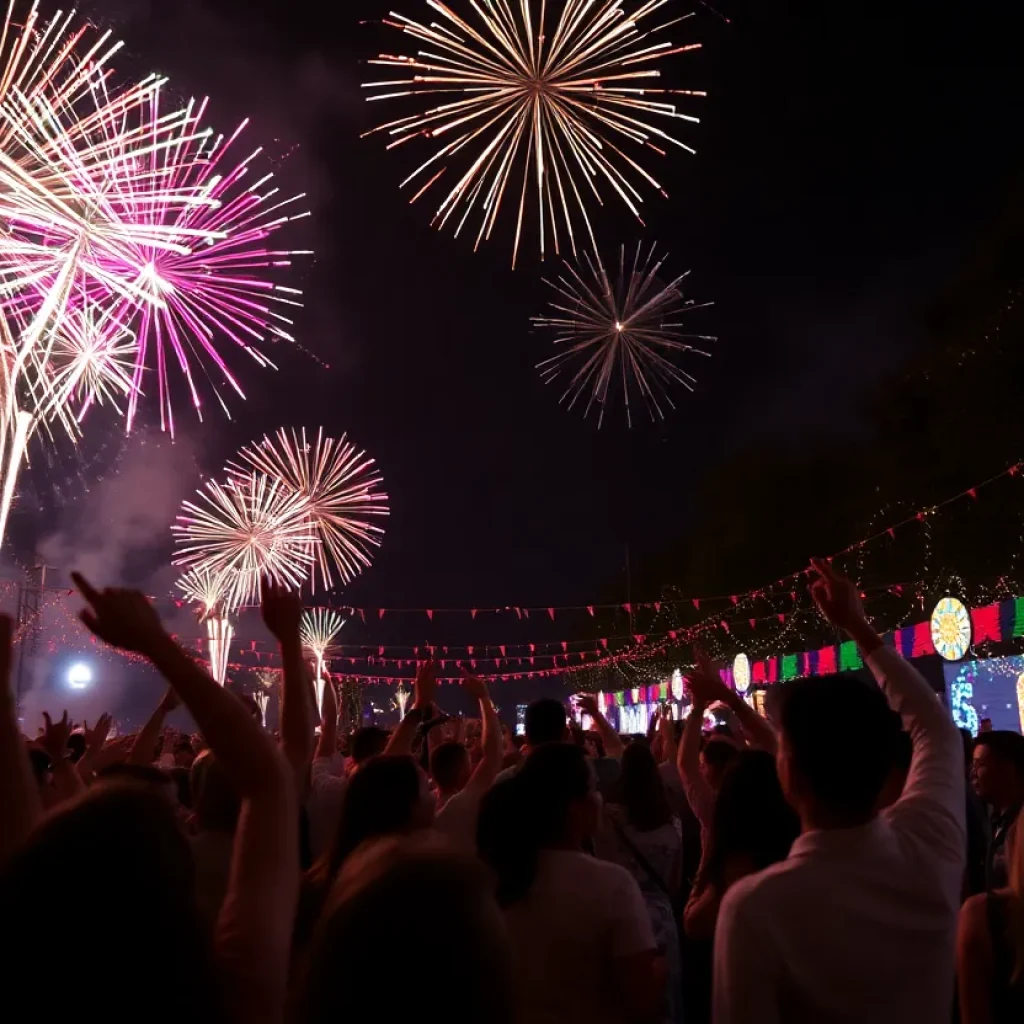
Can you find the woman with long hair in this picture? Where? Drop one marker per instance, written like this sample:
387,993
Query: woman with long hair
583,946
752,827
388,796
641,834
990,947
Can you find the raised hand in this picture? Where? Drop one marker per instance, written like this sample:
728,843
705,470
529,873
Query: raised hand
425,686
474,686
704,682
282,611
97,735
588,703
55,737
170,702
837,598
121,618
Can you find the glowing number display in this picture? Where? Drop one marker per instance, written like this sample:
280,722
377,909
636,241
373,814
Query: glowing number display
741,673
951,629
961,692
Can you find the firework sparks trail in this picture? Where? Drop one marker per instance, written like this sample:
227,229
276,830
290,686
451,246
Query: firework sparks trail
341,485
245,530
319,628
219,633
262,698
206,589
561,107
626,331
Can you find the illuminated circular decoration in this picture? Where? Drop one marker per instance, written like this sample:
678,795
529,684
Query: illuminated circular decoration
741,673
951,628
677,685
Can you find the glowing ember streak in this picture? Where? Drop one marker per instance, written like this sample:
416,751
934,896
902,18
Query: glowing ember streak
627,330
340,484
566,102
319,628
246,529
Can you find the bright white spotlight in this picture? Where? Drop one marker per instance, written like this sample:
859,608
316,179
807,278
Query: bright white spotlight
79,676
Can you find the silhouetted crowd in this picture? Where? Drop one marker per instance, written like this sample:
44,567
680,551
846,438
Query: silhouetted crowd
853,857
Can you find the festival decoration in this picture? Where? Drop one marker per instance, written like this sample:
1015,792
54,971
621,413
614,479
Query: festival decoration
677,685
557,104
741,673
619,333
951,629
340,487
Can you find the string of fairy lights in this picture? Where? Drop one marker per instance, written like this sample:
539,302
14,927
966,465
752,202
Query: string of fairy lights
761,622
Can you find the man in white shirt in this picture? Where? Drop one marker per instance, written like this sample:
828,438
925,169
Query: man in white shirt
858,923
460,786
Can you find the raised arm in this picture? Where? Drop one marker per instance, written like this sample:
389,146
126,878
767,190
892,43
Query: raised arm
667,734
487,770
933,805
328,744
20,805
613,745
423,697
66,782
252,939
282,614
144,747
699,794
95,738
758,730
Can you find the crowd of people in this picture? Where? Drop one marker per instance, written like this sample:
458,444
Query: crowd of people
851,858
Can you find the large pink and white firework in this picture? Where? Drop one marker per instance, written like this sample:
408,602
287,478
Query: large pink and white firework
219,294
343,491
238,533
135,245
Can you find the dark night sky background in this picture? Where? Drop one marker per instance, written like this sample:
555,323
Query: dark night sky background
849,157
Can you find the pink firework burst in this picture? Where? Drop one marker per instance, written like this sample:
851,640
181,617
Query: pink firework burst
219,288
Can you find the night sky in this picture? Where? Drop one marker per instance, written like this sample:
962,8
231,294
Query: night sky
848,158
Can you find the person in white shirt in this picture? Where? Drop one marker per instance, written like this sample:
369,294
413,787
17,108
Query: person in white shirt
584,951
460,787
859,922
